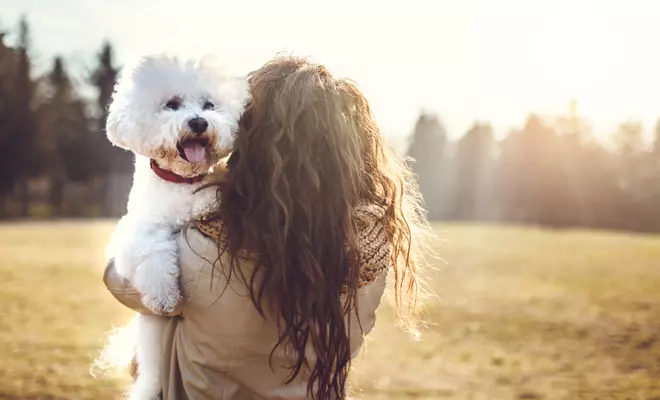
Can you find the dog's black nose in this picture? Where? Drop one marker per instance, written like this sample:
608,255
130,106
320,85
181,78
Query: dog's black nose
198,125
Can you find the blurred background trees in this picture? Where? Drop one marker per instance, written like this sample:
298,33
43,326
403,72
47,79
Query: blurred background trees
552,172
56,161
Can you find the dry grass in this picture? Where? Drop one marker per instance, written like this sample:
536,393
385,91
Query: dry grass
522,314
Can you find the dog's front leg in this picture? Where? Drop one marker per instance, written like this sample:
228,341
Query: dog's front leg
146,253
157,274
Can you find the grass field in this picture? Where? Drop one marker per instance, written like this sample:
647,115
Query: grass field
521,314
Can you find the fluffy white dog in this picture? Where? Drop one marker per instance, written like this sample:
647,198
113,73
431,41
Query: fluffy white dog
179,118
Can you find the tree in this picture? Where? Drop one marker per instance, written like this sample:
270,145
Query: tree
652,178
117,161
474,167
591,193
427,148
591,171
8,164
656,139
533,181
629,140
635,176
71,149
23,126
104,79
576,128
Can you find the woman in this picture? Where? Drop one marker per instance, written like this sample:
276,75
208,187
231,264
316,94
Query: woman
282,281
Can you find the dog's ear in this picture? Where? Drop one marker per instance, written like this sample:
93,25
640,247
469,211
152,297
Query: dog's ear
115,124
114,127
119,125
112,130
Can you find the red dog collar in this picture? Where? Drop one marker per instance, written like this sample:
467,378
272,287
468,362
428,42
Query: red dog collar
172,177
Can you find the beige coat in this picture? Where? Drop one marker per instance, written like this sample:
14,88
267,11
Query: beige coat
218,346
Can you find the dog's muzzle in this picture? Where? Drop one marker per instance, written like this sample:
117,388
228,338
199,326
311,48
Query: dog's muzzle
194,149
198,125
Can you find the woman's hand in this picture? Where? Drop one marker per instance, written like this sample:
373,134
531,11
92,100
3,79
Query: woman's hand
130,297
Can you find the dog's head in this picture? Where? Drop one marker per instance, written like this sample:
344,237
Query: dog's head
181,113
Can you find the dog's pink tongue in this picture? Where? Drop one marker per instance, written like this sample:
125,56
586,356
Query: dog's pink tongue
194,151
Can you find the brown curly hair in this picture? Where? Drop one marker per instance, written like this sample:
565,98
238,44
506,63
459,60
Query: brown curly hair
307,153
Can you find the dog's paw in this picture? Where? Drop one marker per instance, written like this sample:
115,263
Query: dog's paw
160,291
157,278
164,305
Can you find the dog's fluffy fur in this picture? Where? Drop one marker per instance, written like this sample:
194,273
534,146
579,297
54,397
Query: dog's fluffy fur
149,115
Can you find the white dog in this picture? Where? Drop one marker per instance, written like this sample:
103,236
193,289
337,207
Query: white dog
179,118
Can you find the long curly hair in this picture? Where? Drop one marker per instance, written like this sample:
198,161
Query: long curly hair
307,153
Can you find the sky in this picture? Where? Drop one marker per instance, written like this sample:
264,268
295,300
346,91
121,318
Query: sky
467,60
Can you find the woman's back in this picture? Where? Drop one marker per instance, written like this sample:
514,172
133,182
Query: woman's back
316,194
220,346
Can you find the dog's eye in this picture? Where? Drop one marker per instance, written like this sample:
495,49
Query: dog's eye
208,106
173,103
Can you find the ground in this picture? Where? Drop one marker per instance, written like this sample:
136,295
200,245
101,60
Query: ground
518,313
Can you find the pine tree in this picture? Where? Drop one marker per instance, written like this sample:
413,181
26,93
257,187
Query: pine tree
656,140
633,169
104,79
652,179
579,161
474,165
117,161
8,164
72,153
427,148
533,183
23,130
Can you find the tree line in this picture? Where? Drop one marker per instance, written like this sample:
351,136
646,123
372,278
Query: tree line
56,161
552,172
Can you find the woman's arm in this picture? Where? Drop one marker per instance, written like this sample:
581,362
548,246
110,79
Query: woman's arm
374,246
363,318
126,294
